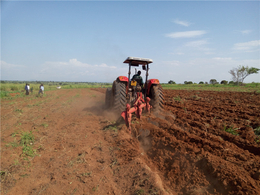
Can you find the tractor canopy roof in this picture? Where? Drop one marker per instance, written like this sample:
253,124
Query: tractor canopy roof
134,61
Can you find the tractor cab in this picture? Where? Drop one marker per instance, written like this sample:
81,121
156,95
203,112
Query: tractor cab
136,83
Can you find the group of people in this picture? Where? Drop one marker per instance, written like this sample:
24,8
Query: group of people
27,89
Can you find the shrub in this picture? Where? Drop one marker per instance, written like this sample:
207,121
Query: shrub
14,88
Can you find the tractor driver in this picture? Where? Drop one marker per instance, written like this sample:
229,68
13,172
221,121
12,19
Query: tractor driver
139,78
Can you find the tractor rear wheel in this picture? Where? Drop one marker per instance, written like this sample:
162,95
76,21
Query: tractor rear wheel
108,99
157,98
119,98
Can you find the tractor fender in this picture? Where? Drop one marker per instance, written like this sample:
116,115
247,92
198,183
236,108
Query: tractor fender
122,78
151,82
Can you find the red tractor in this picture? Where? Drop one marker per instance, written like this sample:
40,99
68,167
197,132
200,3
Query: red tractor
130,95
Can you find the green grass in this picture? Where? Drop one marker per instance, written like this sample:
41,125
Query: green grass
248,87
7,87
44,125
18,110
95,188
113,128
177,98
4,94
14,144
27,139
139,192
257,131
231,130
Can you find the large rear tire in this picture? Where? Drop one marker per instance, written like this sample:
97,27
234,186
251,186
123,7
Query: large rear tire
108,99
157,98
119,98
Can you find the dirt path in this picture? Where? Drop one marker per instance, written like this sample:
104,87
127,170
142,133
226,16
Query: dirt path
79,149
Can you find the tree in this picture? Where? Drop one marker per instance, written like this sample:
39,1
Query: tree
224,82
171,82
213,81
201,82
241,72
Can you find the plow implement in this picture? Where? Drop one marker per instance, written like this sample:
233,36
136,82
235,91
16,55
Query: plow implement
139,104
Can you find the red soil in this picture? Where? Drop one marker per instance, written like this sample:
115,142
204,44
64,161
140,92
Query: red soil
81,150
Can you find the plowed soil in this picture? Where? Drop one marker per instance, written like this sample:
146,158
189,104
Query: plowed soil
203,143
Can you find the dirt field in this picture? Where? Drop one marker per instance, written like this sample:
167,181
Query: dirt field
76,147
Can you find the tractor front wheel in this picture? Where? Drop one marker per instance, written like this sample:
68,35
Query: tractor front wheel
157,98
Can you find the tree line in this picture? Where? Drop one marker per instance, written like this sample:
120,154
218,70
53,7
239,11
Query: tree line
238,76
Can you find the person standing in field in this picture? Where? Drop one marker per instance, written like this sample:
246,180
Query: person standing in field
27,88
41,91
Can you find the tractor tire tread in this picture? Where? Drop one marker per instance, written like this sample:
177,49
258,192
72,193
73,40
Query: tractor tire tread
119,97
157,98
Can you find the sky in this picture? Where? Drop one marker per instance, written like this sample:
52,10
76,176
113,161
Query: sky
88,41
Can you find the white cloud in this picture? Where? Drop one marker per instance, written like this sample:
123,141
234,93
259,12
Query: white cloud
247,46
14,71
71,70
186,34
6,65
198,43
246,31
183,23
218,58
171,63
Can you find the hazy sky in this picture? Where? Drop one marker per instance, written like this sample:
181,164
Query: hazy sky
89,40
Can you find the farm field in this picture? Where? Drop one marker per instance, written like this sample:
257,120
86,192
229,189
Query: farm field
205,142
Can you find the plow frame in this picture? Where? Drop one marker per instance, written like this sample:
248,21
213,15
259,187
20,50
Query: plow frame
139,102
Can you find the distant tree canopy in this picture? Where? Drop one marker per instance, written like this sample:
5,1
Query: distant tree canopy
188,82
213,81
224,82
201,82
241,72
171,82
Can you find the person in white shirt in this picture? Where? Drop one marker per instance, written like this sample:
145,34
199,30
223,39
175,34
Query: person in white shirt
27,89
41,91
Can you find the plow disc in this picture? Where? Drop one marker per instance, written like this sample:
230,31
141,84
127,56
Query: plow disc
138,108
